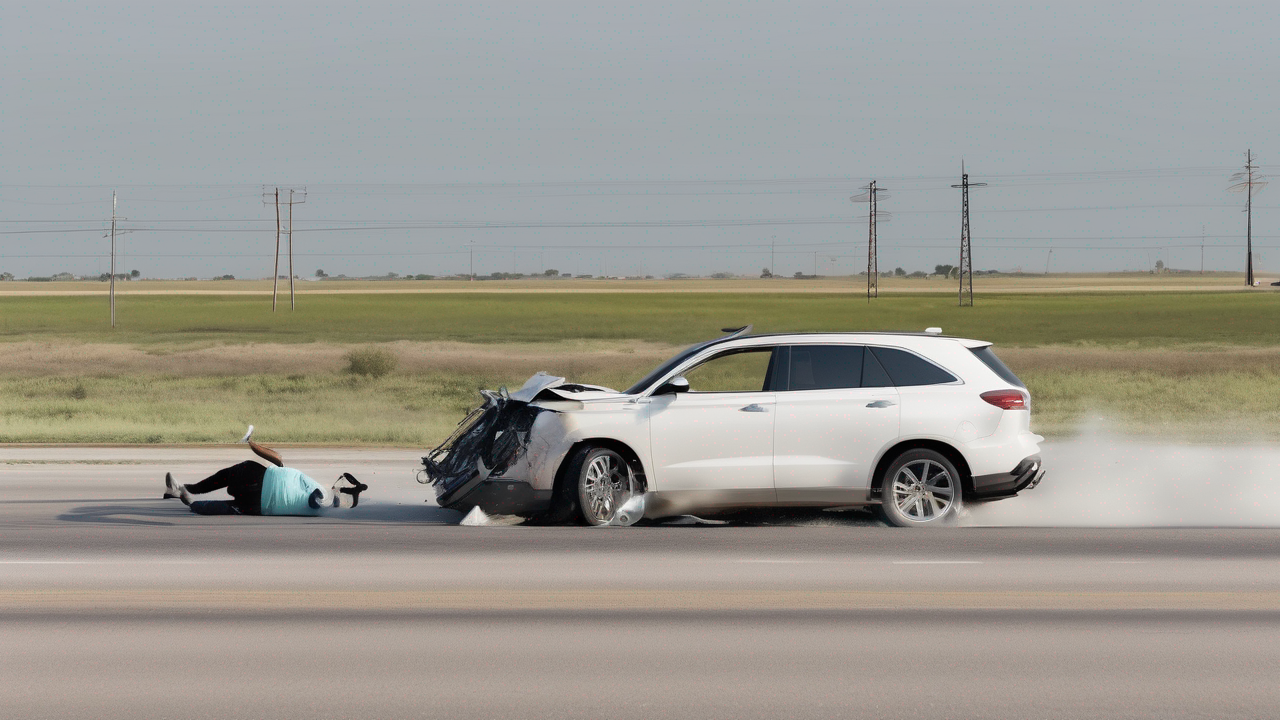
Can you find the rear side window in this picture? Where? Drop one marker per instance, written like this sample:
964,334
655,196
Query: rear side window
907,369
988,358
873,374
825,367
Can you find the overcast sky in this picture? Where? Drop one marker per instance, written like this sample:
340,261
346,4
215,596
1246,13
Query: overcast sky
595,114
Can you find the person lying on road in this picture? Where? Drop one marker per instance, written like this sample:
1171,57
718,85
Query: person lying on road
259,490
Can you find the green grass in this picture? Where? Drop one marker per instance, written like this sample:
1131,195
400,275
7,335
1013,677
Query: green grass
1143,320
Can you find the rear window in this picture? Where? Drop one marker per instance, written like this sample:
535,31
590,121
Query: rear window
825,367
988,358
907,369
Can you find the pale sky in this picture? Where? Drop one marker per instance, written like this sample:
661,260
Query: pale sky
605,116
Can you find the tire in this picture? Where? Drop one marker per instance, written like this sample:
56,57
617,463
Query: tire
596,482
908,502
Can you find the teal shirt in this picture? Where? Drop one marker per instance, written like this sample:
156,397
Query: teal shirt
286,491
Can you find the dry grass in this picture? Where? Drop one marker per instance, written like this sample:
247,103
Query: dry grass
300,393
569,358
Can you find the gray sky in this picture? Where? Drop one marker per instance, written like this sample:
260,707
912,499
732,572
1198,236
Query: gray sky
572,113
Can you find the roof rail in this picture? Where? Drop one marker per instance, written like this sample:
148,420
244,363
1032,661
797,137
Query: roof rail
736,332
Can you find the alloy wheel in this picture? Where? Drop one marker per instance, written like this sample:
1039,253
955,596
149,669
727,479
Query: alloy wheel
605,486
923,490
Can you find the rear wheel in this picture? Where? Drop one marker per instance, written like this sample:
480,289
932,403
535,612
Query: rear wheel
921,488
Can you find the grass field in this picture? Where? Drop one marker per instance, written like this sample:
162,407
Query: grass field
198,368
1142,320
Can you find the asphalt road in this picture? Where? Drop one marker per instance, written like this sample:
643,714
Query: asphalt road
115,603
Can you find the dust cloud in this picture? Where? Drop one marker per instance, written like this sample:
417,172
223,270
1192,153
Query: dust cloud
1102,479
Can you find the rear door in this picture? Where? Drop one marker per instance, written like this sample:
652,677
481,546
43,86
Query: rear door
836,412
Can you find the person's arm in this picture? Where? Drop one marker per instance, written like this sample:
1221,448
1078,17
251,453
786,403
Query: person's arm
320,499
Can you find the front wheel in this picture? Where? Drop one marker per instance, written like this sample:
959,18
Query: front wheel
596,483
921,488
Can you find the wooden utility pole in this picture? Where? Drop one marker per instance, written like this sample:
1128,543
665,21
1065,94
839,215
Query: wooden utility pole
113,258
273,196
275,270
292,304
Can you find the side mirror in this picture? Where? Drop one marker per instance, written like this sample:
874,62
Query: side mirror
675,385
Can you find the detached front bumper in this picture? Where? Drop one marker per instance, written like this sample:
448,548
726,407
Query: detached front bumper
1025,476
497,497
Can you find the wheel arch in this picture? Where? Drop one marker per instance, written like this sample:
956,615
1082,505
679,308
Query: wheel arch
623,449
945,449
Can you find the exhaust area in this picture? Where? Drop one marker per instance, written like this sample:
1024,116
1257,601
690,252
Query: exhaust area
1104,480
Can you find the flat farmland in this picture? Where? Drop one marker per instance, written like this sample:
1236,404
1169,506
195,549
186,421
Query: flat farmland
192,368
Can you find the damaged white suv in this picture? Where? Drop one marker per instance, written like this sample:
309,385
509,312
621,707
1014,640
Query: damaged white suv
909,422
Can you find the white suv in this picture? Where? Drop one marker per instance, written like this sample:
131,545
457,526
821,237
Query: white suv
909,422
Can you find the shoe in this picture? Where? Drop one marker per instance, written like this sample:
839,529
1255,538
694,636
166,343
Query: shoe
175,489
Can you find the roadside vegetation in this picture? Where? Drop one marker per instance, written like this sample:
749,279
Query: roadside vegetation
401,370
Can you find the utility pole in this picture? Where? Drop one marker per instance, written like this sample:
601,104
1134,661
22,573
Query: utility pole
275,270
273,197
1046,261
113,258
1201,249
966,249
293,305
1250,183
872,197
773,263
471,249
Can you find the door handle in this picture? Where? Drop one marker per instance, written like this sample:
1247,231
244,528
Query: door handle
753,407
881,404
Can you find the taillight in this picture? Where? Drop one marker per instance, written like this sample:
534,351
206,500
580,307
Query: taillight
1007,399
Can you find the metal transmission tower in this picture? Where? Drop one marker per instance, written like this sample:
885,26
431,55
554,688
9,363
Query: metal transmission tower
872,196
273,196
1249,182
966,249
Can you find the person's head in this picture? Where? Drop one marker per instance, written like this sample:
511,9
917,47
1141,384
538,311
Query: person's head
346,491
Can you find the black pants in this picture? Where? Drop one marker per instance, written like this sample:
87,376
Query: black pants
243,482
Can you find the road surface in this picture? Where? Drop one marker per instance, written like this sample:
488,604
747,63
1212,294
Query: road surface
117,604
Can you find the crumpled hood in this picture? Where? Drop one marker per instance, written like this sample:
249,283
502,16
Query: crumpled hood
550,387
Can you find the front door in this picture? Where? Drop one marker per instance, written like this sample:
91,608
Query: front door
837,413
714,443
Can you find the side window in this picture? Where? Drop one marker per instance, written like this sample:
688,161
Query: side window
735,371
873,374
825,367
907,369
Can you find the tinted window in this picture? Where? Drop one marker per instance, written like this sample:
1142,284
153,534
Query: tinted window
738,371
906,369
988,358
873,374
823,367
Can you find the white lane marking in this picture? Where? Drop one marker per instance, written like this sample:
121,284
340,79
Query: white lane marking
937,562
789,562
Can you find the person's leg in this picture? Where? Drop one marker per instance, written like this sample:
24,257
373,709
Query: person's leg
247,495
230,478
214,507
